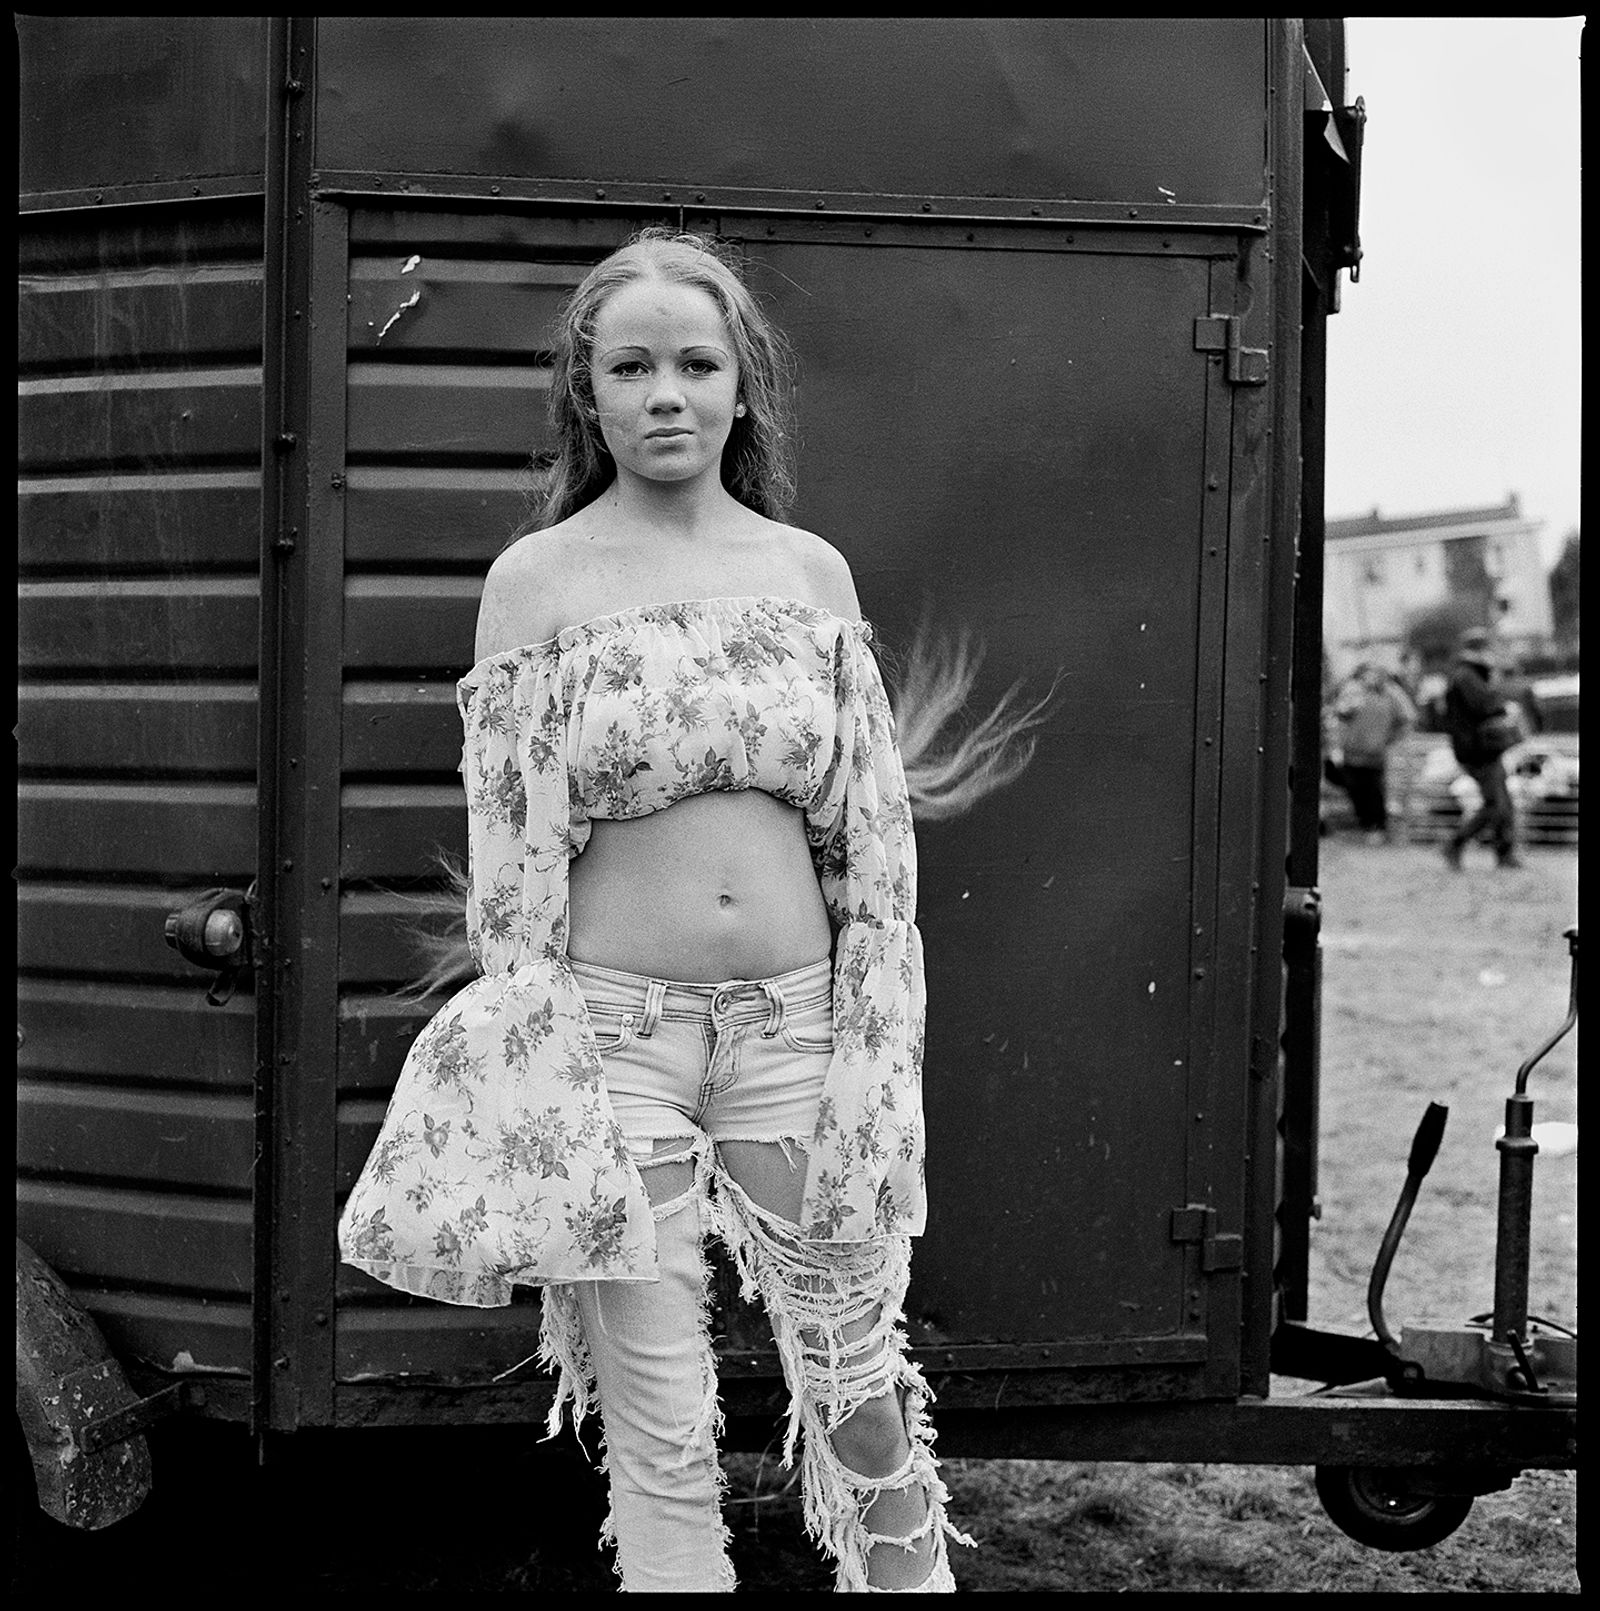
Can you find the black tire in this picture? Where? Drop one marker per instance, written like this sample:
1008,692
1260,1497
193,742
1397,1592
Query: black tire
1378,1506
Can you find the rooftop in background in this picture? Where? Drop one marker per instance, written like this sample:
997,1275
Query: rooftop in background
1378,525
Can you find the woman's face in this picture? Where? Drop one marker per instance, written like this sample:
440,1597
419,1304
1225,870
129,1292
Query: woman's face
665,380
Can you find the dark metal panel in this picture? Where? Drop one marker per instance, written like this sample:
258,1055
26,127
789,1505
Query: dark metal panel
400,228
163,1137
208,312
1135,110
117,238
145,521
411,624
103,931
116,626
462,306
393,830
124,421
118,100
129,1237
447,411
165,1037
1063,518
421,515
199,831
375,1033
173,1333
359,187
1458,1434
359,1119
150,728
401,727
137,594
1280,546
298,1256
458,1345
373,927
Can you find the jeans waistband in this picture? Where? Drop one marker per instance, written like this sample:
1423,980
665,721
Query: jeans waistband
732,1001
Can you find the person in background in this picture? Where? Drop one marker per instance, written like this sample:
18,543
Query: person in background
1373,713
1481,730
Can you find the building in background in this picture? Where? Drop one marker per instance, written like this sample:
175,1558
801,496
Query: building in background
1382,573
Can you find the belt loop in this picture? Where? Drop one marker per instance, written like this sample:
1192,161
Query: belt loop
775,1016
655,995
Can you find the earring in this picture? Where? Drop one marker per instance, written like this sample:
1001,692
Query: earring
739,411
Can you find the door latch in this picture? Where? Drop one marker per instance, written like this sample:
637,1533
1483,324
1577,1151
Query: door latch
213,931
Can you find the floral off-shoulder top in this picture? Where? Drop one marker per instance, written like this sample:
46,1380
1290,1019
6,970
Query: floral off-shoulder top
499,1161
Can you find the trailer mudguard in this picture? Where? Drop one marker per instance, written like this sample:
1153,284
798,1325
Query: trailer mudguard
68,1380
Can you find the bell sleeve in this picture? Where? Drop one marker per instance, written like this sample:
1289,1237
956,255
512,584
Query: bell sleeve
499,1161
865,1179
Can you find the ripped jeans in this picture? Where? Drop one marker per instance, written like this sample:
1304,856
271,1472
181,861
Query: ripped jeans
716,1089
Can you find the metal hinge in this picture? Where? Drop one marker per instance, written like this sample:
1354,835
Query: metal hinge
1221,333
1222,1251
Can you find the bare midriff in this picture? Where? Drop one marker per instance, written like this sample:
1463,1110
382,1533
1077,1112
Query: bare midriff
720,886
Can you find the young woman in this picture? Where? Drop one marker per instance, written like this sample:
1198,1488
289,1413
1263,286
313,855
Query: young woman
692,898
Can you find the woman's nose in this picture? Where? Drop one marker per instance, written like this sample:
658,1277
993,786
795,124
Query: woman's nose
665,396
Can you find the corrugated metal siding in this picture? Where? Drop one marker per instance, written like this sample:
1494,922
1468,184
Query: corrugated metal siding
139,445
449,333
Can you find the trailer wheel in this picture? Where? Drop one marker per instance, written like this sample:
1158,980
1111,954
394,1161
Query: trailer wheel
1380,1507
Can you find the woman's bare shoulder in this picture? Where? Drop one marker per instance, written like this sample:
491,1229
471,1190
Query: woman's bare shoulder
826,571
522,598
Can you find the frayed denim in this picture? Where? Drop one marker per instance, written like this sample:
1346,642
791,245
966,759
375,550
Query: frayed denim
641,1353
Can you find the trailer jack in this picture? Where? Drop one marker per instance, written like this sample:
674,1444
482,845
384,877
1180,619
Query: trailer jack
1505,1354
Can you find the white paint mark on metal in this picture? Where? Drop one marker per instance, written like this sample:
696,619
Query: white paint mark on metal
410,302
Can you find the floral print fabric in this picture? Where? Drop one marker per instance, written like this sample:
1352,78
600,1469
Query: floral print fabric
499,1160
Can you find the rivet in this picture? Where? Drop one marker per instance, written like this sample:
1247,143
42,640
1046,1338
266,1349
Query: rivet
599,195
927,206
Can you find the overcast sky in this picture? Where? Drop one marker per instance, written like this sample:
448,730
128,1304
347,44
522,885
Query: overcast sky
1454,367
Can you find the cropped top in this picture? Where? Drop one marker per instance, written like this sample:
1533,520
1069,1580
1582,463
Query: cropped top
499,1161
